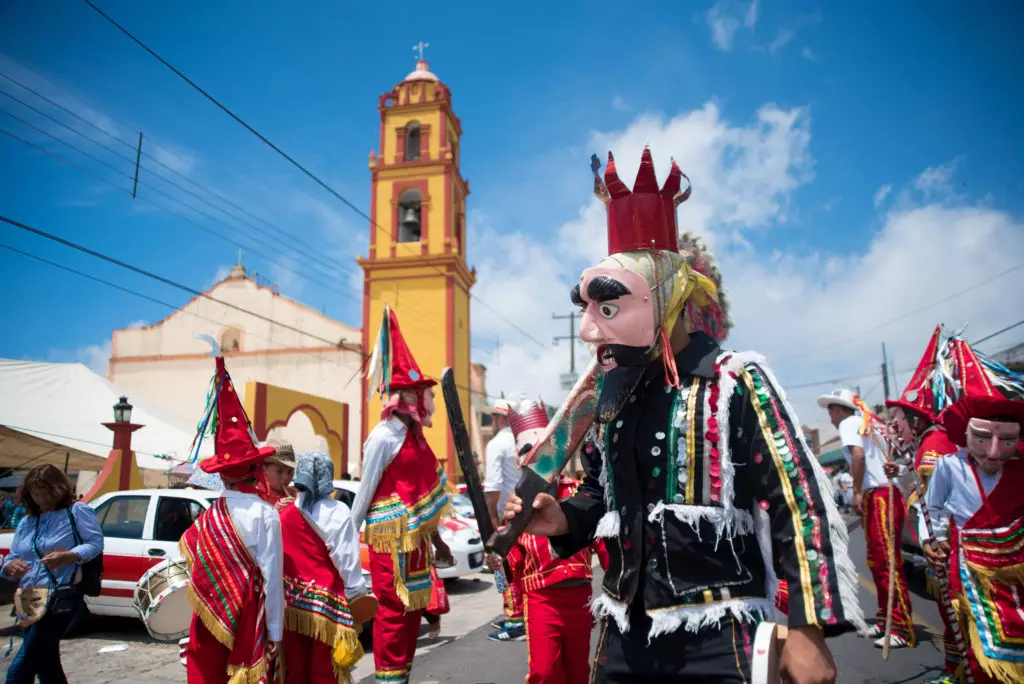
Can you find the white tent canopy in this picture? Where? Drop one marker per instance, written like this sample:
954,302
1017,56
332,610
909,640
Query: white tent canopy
61,407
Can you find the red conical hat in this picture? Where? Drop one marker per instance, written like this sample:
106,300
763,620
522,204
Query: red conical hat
392,366
236,452
969,373
918,396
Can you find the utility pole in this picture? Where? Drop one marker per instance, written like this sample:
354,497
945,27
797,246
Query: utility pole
885,373
571,337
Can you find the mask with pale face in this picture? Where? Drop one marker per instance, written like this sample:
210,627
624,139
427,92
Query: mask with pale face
992,442
632,299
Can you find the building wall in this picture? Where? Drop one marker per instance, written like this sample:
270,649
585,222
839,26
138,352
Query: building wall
168,367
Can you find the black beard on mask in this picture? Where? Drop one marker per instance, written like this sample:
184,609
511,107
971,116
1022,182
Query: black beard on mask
620,381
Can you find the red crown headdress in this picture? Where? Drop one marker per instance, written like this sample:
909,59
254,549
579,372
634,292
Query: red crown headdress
644,218
919,395
527,416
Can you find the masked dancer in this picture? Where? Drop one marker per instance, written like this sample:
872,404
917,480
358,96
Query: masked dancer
234,555
325,594
704,486
402,498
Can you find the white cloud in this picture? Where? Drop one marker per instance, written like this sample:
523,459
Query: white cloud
937,181
882,193
620,105
95,356
815,315
726,17
809,54
781,40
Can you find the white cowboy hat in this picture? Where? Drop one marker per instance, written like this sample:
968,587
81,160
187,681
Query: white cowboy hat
839,397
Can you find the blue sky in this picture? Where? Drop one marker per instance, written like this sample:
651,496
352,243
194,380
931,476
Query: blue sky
886,90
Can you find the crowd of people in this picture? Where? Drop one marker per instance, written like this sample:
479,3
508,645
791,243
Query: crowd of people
706,509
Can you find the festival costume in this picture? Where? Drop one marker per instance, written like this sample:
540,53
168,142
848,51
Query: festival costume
322,575
699,479
556,591
234,555
986,518
402,500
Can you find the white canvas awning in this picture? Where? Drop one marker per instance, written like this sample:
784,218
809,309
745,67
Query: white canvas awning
54,412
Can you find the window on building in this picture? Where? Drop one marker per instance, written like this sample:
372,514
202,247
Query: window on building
231,340
409,216
412,142
123,517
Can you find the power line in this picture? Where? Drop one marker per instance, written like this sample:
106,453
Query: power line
287,157
999,332
167,281
157,190
312,251
905,315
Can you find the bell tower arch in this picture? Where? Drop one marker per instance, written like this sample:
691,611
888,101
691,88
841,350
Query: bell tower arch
417,251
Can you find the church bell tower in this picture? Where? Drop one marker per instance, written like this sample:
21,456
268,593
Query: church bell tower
417,256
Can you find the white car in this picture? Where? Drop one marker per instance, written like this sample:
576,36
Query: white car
459,533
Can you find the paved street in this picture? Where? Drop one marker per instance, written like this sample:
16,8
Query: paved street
463,654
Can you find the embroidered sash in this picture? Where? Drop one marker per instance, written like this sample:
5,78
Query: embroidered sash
314,594
226,591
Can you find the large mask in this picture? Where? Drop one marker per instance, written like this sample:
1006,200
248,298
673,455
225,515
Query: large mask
632,299
992,441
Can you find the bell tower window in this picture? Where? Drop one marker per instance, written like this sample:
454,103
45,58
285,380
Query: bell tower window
231,340
412,142
409,216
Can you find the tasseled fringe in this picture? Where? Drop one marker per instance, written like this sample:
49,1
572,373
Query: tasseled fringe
848,580
219,632
726,525
608,526
347,650
999,670
1010,574
604,606
695,618
344,640
238,674
412,600
393,535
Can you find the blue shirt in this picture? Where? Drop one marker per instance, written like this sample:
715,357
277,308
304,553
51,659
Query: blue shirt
55,533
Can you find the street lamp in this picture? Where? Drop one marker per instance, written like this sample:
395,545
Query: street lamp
122,411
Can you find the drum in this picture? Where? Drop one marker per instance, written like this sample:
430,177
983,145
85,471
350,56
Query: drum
764,663
160,598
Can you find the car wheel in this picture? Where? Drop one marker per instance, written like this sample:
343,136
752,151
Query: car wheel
78,622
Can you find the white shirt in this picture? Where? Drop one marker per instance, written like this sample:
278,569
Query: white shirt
502,466
332,520
953,492
846,479
874,455
379,450
259,527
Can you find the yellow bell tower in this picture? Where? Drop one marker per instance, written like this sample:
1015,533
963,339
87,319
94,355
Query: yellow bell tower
417,259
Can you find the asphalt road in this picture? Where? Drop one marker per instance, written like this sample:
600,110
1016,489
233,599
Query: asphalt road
473,659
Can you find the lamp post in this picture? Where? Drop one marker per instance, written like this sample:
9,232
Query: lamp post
123,427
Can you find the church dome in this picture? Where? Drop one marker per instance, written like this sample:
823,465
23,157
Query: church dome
422,73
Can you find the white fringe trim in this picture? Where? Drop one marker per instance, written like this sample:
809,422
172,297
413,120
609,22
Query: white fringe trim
848,578
763,530
605,606
726,525
726,388
608,526
696,618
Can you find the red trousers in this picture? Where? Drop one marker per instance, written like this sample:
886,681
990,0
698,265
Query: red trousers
558,626
206,659
307,661
513,601
395,631
877,514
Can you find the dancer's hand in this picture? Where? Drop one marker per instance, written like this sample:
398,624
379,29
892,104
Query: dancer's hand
806,658
548,518
891,469
442,554
858,503
283,503
937,553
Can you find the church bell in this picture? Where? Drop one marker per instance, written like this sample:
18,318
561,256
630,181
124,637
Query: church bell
410,220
